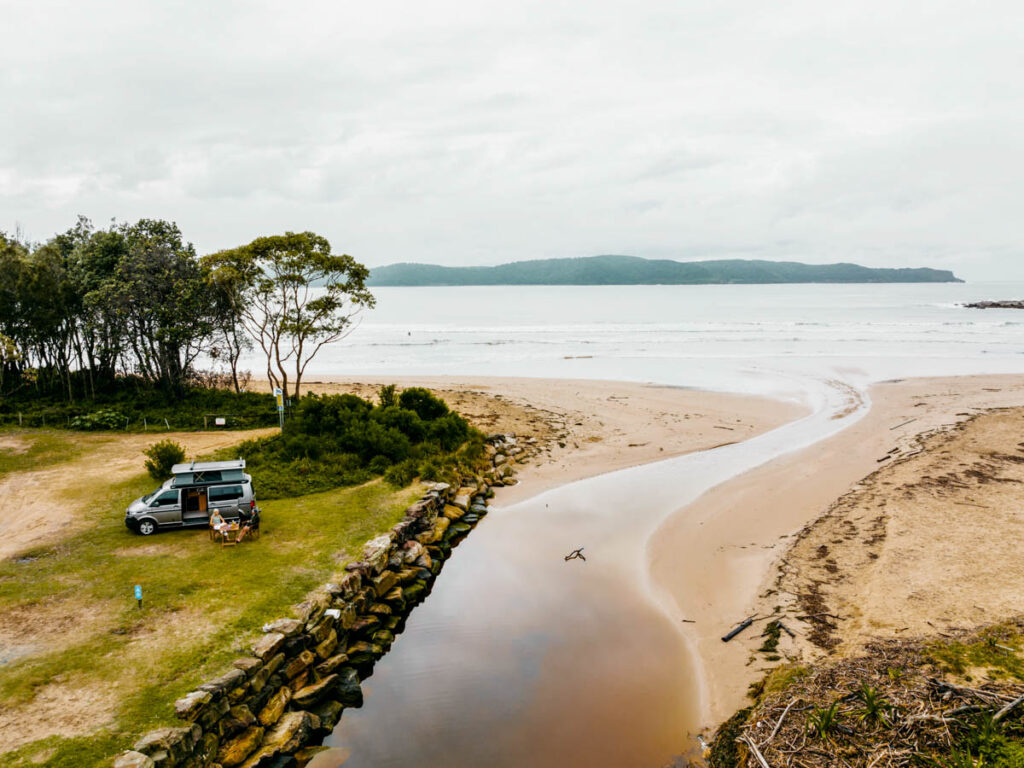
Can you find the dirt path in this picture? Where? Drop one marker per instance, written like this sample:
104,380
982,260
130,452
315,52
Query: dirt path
40,506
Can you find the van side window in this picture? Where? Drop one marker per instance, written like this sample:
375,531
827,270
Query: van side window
224,492
166,499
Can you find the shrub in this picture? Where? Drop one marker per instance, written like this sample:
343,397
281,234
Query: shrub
379,464
161,457
387,396
423,402
105,419
401,474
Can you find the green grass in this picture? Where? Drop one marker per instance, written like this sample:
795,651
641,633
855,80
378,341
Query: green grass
988,652
37,449
202,603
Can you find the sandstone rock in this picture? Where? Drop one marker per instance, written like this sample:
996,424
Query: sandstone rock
176,742
462,498
459,529
275,707
441,487
424,560
326,648
190,705
237,719
275,663
348,615
349,584
413,593
213,712
133,759
248,664
329,714
362,652
380,609
452,512
328,667
407,575
396,599
436,532
314,693
298,664
292,732
300,680
268,646
383,637
319,631
366,624
226,682
385,582
376,551
286,627
206,749
313,607
234,751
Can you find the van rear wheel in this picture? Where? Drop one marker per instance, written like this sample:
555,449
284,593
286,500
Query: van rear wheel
147,527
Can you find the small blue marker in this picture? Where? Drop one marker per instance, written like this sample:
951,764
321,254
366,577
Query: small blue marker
138,594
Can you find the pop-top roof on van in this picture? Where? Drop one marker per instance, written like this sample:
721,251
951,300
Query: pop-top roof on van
207,466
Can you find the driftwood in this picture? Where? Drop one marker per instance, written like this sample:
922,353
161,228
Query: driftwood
739,628
778,725
785,629
902,424
1006,710
756,752
576,554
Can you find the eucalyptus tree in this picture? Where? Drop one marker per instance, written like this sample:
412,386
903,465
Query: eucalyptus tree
159,292
293,296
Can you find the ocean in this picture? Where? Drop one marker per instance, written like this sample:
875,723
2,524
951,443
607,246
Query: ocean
744,338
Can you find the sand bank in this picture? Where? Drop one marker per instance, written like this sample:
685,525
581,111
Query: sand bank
715,561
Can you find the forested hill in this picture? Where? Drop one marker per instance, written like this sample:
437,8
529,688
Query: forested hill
631,270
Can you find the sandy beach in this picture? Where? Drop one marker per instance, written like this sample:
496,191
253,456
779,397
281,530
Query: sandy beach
717,561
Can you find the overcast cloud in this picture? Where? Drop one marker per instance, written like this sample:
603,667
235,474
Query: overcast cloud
887,133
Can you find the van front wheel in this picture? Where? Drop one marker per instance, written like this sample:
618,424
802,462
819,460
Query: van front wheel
147,527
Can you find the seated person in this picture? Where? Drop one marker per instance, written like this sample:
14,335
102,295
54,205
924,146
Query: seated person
249,520
216,519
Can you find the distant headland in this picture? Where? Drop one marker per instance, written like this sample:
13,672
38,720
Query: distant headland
632,270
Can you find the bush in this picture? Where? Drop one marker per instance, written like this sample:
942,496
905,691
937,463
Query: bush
163,456
336,440
401,474
105,419
387,396
421,400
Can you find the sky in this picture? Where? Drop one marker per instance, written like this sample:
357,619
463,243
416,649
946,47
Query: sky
453,132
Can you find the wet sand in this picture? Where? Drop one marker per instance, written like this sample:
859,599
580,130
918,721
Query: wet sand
713,561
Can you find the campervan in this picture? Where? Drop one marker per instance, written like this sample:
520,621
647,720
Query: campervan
190,496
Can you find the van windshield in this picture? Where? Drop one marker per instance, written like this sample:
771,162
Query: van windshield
149,496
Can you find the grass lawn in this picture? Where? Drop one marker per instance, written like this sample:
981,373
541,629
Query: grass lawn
77,656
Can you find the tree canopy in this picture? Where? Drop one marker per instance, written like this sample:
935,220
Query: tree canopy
293,296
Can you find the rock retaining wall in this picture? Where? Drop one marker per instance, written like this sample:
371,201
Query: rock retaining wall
273,706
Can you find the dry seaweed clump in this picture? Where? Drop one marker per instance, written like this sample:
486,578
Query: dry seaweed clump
956,702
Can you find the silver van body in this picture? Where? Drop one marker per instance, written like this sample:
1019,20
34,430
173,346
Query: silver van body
194,491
